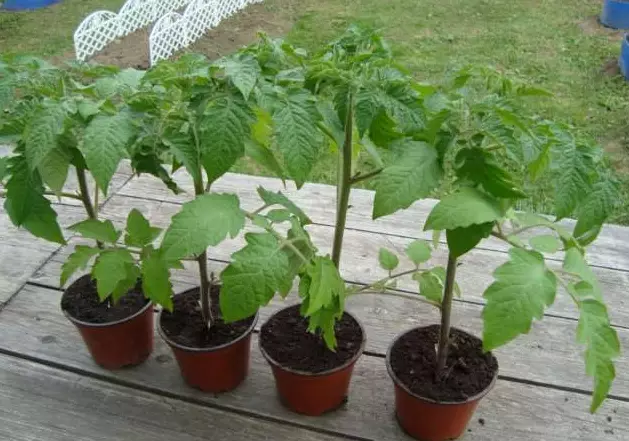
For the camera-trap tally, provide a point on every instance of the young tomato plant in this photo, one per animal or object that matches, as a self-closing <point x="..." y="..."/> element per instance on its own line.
<point x="72" y="120"/>
<point x="493" y="157"/>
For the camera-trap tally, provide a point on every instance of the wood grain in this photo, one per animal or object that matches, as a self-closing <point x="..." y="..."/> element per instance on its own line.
<point x="43" y="403"/>
<point x="33" y="325"/>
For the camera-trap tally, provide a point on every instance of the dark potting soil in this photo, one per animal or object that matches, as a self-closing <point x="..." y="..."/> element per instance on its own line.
<point x="286" y="339"/>
<point x="468" y="369"/>
<point x="185" y="325"/>
<point x="81" y="301"/>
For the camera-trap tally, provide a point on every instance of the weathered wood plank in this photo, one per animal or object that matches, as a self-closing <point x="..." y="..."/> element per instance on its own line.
<point x="359" y="259"/>
<point x="33" y="325"/>
<point x="42" y="403"/>
<point x="611" y="250"/>
<point x="21" y="253"/>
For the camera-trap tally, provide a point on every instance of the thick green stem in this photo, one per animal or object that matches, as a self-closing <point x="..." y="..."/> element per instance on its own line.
<point x="344" y="183"/>
<point x="85" y="193"/>
<point x="206" y="300"/>
<point x="446" y="312"/>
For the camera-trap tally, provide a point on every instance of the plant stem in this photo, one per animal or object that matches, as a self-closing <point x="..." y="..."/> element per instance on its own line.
<point x="85" y="193"/>
<point x="446" y="312"/>
<point x="344" y="183"/>
<point x="206" y="300"/>
<point x="359" y="178"/>
<point x="63" y="194"/>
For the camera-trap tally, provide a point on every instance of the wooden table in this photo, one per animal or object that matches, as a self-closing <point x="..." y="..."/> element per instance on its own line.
<point x="51" y="390"/>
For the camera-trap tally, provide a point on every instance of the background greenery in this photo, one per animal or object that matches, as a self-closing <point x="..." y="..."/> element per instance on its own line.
<point x="556" y="44"/>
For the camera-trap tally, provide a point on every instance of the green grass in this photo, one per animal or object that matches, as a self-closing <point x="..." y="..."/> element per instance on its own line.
<point x="555" y="44"/>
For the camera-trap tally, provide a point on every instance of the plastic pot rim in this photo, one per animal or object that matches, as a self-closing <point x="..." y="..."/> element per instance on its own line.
<point x="77" y="321"/>
<point x="212" y="349"/>
<point x="401" y="385"/>
<point x="345" y="365"/>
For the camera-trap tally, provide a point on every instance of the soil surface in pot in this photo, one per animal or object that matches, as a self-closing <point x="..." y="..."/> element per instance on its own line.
<point x="286" y="339"/>
<point x="81" y="301"/>
<point x="469" y="370"/>
<point x="185" y="325"/>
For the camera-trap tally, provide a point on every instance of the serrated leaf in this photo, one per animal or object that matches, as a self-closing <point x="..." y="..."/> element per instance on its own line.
<point x="368" y="106"/>
<point x="372" y="151"/>
<point x="243" y="71"/>
<point x="436" y="238"/>
<point x="522" y="290"/>
<point x="418" y="251"/>
<point x="4" y="167"/>
<point x="156" y="279"/>
<point x="278" y="198"/>
<point x="430" y="285"/>
<point x="114" y="270"/>
<point x="41" y="133"/>
<point x="383" y="130"/>
<point x="225" y="129"/>
<point x="546" y="243"/>
<point x="297" y="135"/>
<point x="139" y="232"/>
<point x="26" y="205"/>
<point x="279" y="215"/>
<point x="387" y="259"/>
<point x="265" y="157"/>
<point x="255" y="274"/>
<point x="599" y="204"/>
<point x="183" y="148"/>
<point x="77" y="260"/>
<point x="203" y="222"/>
<point x="88" y="108"/>
<point x="103" y="231"/>
<point x="462" y="240"/>
<point x="105" y="145"/>
<point x="575" y="263"/>
<point x="480" y="167"/>
<point x="602" y="346"/>
<point x="466" y="207"/>
<point x="54" y="169"/>
<point x="571" y="177"/>
<point x="412" y="176"/>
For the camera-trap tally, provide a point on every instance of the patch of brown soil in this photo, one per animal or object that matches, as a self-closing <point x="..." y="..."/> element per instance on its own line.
<point x="593" y="26"/>
<point x="234" y="32"/>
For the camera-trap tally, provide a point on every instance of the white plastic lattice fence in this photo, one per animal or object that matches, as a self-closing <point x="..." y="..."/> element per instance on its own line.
<point x="169" y="35"/>
<point x="94" y="33"/>
<point x="200" y="16"/>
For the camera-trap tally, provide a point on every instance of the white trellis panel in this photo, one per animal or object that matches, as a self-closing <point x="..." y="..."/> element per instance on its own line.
<point x="225" y="8"/>
<point x="169" y="35"/>
<point x="200" y="15"/>
<point x="136" y="14"/>
<point x="163" y="7"/>
<point x="94" y="33"/>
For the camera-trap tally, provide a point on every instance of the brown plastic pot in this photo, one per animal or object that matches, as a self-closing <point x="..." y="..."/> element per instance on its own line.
<point x="119" y="344"/>
<point x="314" y="394"/>
<point x="218" y="369"/>
<point x="430" y="420"/>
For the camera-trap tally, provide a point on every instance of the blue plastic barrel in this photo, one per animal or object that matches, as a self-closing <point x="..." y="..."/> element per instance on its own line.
<point x="616" y="14"/>
<point x="19" y="5"/>
<point x="624" y="57"/>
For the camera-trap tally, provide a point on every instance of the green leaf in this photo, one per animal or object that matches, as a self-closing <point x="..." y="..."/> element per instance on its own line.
<point x="41" y="133"/>
<point x="596" y="208"/>
<point x="264" y="157"/>
<point x="297" y="135"/>
<point x="139" y="231"/>
<point x="368" y="106"/>
<point x="571" y="177"/>
<point x="54" y="169"/>
<point x="412" y="176"/>
<point x="88" y="108"/>
<point x="225" y="129"/>
<point x="278" y="198"/>
<point x="255" y="274"/>
<point x="388" y="260"/>
<point x="575" y="263"/>
<point x="279" y="215"/>
<point x="602" y="347"/>
<point x="103" y="231"/>
<point x="431" y="285"/>
<point x="466" y="207"/>
<point x="418" y="251"/>
<point x="203" y="222"/>
<point x="77" y="260"/>
<point x="325" y="285"/>
<point x="115" y="273"/>
<point x="480" y="167"/>
<point x="183" y="148"/>
<point x="105" y="145"/>
<point x="461" y="240"/>
<point x="26" y="205"/>
<point x="4" y="167"/>
<point x="436" y="238"/>
<point x="522" y="289"/>
<point x="243" y="71"/>
<point x="156" y="279"/>
<point x="546" y="243"/>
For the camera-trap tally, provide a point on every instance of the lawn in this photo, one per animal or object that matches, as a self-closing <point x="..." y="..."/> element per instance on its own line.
<point x="556" y="44"/>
